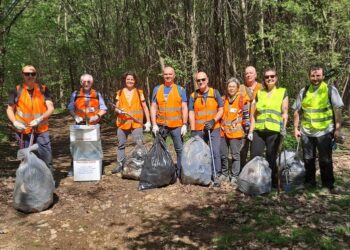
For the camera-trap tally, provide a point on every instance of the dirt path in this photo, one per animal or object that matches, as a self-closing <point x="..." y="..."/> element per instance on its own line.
<point x="113" y="214"/>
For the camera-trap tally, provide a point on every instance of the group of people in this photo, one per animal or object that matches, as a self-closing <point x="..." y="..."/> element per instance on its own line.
<point x="249" y="117"/>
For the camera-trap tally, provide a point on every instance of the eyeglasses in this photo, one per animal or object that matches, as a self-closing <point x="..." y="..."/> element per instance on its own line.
<point x="86" y="82"/>
<point x="29" y="74"/>
<point x="201" y="80"/>
<point x="269" y="76"/>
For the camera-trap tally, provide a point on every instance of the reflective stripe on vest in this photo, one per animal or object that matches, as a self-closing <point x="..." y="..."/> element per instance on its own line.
<point x="29" y="108"/>
<point x="317" y="111"/>
<point x="205" y="109"/>
<point x="169" y="111"/>
<point x="268" y="108"/>
<point x="87" y="105"/>
<point x="231" y="121"/>
<point x="134" y="109"/>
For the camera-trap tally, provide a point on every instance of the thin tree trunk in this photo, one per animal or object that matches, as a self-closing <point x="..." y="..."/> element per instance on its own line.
<point x="245" y="30"/>
<point x="194" y="43"/>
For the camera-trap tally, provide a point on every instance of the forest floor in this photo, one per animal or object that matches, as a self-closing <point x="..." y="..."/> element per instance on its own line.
<point x="113" y="214"/>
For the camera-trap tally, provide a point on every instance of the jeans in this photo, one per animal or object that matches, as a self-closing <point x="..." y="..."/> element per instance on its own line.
<point x="44" y="149"/>
<point x="270" y="140"/>
<point x="215" y="140"/>
<point x="235" y="145"/>
<point x="324" y="147"/>
<point x="122" y="135"/>
<point x="175" y="134"/>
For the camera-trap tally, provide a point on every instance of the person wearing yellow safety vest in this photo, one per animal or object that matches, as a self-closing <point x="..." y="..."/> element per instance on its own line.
<point x="251" y="88"/>
<point x="86" y="105"/>
<point x="130" y="108"/>
<point x="319" y="106"/>
<point x="232" y="131"/>
<point x="169" y="112"/>
<point x="205" y="111"/>
<point x="269" y="121"/>
<point x="29" y="107"/>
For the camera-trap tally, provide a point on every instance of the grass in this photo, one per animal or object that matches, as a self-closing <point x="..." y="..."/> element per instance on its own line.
<point x="225" y="241"/>
<point x="274" y="237"/>
<point x="343" y="230"/>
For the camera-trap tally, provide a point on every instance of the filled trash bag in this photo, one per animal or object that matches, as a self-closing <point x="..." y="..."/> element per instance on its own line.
<point x="34" y="183"/>
<point x="255" y="177"/>
<point x="196" y="162"/>
<point x="134" y="163"/>
<point x="159" y="169"/>
<point x="292" y="170"/>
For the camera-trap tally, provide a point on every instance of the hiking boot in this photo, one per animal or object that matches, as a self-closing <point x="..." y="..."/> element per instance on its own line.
<point x="217" y="182"/>
<point x="325" y="191"/>
<point x="118" y="168"/>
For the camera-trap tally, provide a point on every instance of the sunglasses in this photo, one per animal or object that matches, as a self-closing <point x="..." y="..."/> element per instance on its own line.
<point x="201" y="80"/>
<point x="269" y="76"/>
<point x="29" y="74"/>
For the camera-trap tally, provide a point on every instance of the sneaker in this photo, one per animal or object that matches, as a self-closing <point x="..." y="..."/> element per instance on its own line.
<point x="325" y="191"/>
<point x="70" y="173"/>
<point x="224" y="178"/>
<point x="117" y="169"/>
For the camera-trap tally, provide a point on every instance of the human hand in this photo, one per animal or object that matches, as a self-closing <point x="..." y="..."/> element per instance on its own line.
<point x="183" y="129"/>
<point x="147" y="127"/>
<point x="78" y="119"/>
<point x="155" y="129"/>
<point x="209" y="124"/>
<point x="18" y="125"/>
<point x="120" y="111"/>
<point x="94" y="118"/>
<point x="250" y="136"/>
<point x="36" y="122"/>
<point x="297" y="134"/>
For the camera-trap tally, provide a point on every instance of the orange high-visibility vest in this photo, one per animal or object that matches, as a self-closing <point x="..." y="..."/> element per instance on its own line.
<point x="205" y="109"/>
<point x="29" y="108"/>
<point x="231" y="121"/>
<point x="134" y="109"/>
<point x="169" y="111"/>
<point x="87" y="106"/>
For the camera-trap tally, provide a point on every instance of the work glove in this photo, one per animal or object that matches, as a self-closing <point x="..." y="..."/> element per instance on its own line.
<point x="18" y="125"/>
<point x="208" y="125"/>
<point x="155" y="129"/>
<point x="250" y="136"/>
<point x="94" y="118"/>
<point x="283" y="132"/>
<point x="36" y="122"/>
<point x="183" y="130"/>
<point x="78" y="119"/>
<point x="147" y="127"/>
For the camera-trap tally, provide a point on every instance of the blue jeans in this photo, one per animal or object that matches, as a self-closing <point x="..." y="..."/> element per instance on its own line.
<point x="122" y="138"/>
<point x="43" y="141"/>
<point x="215" y="140"/>
<point x="175" y="134"/>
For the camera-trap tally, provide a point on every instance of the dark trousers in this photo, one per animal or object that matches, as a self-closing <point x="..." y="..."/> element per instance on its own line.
<point x="323" y="144"/>
<point x="44" y="149"/>
<point x="246" y="146"/>
<point x="269" y="140"/>
<point x="175" y="134"/>
<point x="235" y="146"/>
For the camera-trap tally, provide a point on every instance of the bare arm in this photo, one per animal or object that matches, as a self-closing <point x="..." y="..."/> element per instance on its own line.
<point x="154" y="109"/>
<point x="337" y="117"/>
<point x="252" y="117"/>
<point x="146" y="111"/>
<point x="10" y="111"/>
<point x="184" y="109"/>
<point x="191" y="119"/>
<point x="285" y="112"/>
<point x="297" y="133"/>
<point x="219" y="114"/>
<point x="50" y="109"/>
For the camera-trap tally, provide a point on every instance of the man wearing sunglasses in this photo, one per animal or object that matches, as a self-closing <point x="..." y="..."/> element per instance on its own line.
<point x="205" y="111"/>
<point x="29" y="107"/>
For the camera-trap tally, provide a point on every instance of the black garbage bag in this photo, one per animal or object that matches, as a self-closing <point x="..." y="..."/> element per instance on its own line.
<point x="196" y="162"/>
<point x="159" y="169"/>
<point x="135" y="161"/>
<point x="255" y="177"/>
<point x="292" y="170"/>
<point x="34" y="183"/>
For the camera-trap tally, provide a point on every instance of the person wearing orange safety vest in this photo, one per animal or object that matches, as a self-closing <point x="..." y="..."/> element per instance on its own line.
<point x="169" y="112"/>
<point x="205" y="111"/>
<point x="86" y="105"/>
<point x="29" y="107"/>
<point x="232" y="131"/>
<point x="130" y="108"/>
<point x="251" y="88"/>
<point x="269" y="121"/>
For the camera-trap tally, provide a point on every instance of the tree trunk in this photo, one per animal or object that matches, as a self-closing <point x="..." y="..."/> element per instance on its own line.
<point x="194" y="43"/>
<point x="245" y="30"/>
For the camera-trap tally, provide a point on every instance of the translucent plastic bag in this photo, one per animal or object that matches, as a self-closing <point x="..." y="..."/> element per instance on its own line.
<point x="134" y="163"/>
<point x="292" y="169"/>
<point x="159" y="169"/>
<point x="255" y="177"/>
<point x="34" y="183"/>
<point x="196" y="162"/>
